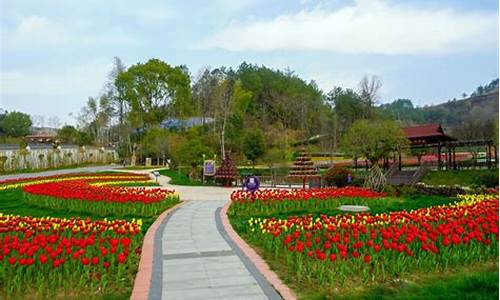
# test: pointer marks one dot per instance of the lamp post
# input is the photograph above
(203, 170)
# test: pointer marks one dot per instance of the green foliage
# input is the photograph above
(337, 176)
(254, 145)
(155, 90)
(373, 139)
(68, 134)
(155, 142)
(191, 153)
(487, 179)
(462, 177)
(180, 177)
(15, 124)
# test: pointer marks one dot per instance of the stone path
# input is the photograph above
(194, 258)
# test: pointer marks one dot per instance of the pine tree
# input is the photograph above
(303, 168)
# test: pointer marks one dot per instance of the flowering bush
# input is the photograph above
(377, 247)
(53, 252)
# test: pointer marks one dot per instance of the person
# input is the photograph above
(349, 178)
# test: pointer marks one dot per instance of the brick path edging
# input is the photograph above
(259, 263)
(143, 278)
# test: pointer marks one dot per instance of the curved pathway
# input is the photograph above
(195, 259)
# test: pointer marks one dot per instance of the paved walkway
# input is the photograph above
(195, 259)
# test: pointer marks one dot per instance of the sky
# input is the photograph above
(57, 53)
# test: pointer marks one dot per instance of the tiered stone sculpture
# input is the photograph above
(303, 168)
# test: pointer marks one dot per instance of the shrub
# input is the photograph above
(489, 179)
(337, 176)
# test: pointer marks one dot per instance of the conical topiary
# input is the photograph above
(303, 168)
(227, 171)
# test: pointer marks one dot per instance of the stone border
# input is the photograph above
(259, 263)
(144, 276)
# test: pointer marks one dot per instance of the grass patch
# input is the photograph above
(488, 178)
(132, 168)
(180, 178)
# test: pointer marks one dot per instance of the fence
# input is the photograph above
(44, 157)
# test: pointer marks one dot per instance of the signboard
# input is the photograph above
(252, 183)
(209, 168)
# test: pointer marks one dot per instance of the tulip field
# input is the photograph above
(77, 235)
(320, 251)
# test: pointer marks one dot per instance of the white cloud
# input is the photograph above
(84, 80)
(367, 26)
(39, 31)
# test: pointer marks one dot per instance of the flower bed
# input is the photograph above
(330, 249)
(20, 182)
(269, 201)
(43, 254)
(75, 193)
(272, 195)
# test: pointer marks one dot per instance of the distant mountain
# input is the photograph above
(475, 117)
(453, 113)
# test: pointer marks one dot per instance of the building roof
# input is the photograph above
(427, 133)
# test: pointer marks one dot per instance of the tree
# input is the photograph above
(154, 91)
(155, 143)
(68, 134)
(15, 124)
(254, 145)
(368, 90)
(348, 107)
(374, 139)
(191, 153)
(95, 117)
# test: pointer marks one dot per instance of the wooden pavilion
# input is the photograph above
(433, 136)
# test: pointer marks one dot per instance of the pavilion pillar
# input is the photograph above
(488, 155)
(399, 160)
(439, 156)
(496, 155)
(449, 158)
(454, 158)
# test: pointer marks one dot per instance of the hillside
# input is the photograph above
(454, 113)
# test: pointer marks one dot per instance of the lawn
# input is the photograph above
(488, 178)
(180, 178)
(75, 278)
(277, 229)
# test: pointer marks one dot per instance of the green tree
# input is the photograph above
(155, 143)
(68, 134)
(374, 139)
(191, 153)
(254, 145)
(16, 124)
(154, 91)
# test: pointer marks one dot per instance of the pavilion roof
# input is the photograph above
(427, 133)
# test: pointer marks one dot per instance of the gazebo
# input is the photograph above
(433, 136)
